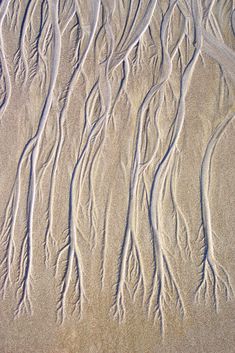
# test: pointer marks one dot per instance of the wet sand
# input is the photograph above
(117, 173)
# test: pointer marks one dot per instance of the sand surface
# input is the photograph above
(117, 169)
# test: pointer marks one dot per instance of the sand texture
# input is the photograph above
(117, 176)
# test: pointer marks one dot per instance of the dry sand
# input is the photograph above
(117, 159)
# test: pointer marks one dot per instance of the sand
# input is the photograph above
(117, 167)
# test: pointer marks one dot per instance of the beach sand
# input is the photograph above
(117, 166)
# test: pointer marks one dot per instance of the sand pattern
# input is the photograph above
(116, 121)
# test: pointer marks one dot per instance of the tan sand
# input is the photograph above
(117, 159)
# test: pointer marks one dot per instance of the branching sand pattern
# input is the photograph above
(213, 276)
(130, 66)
